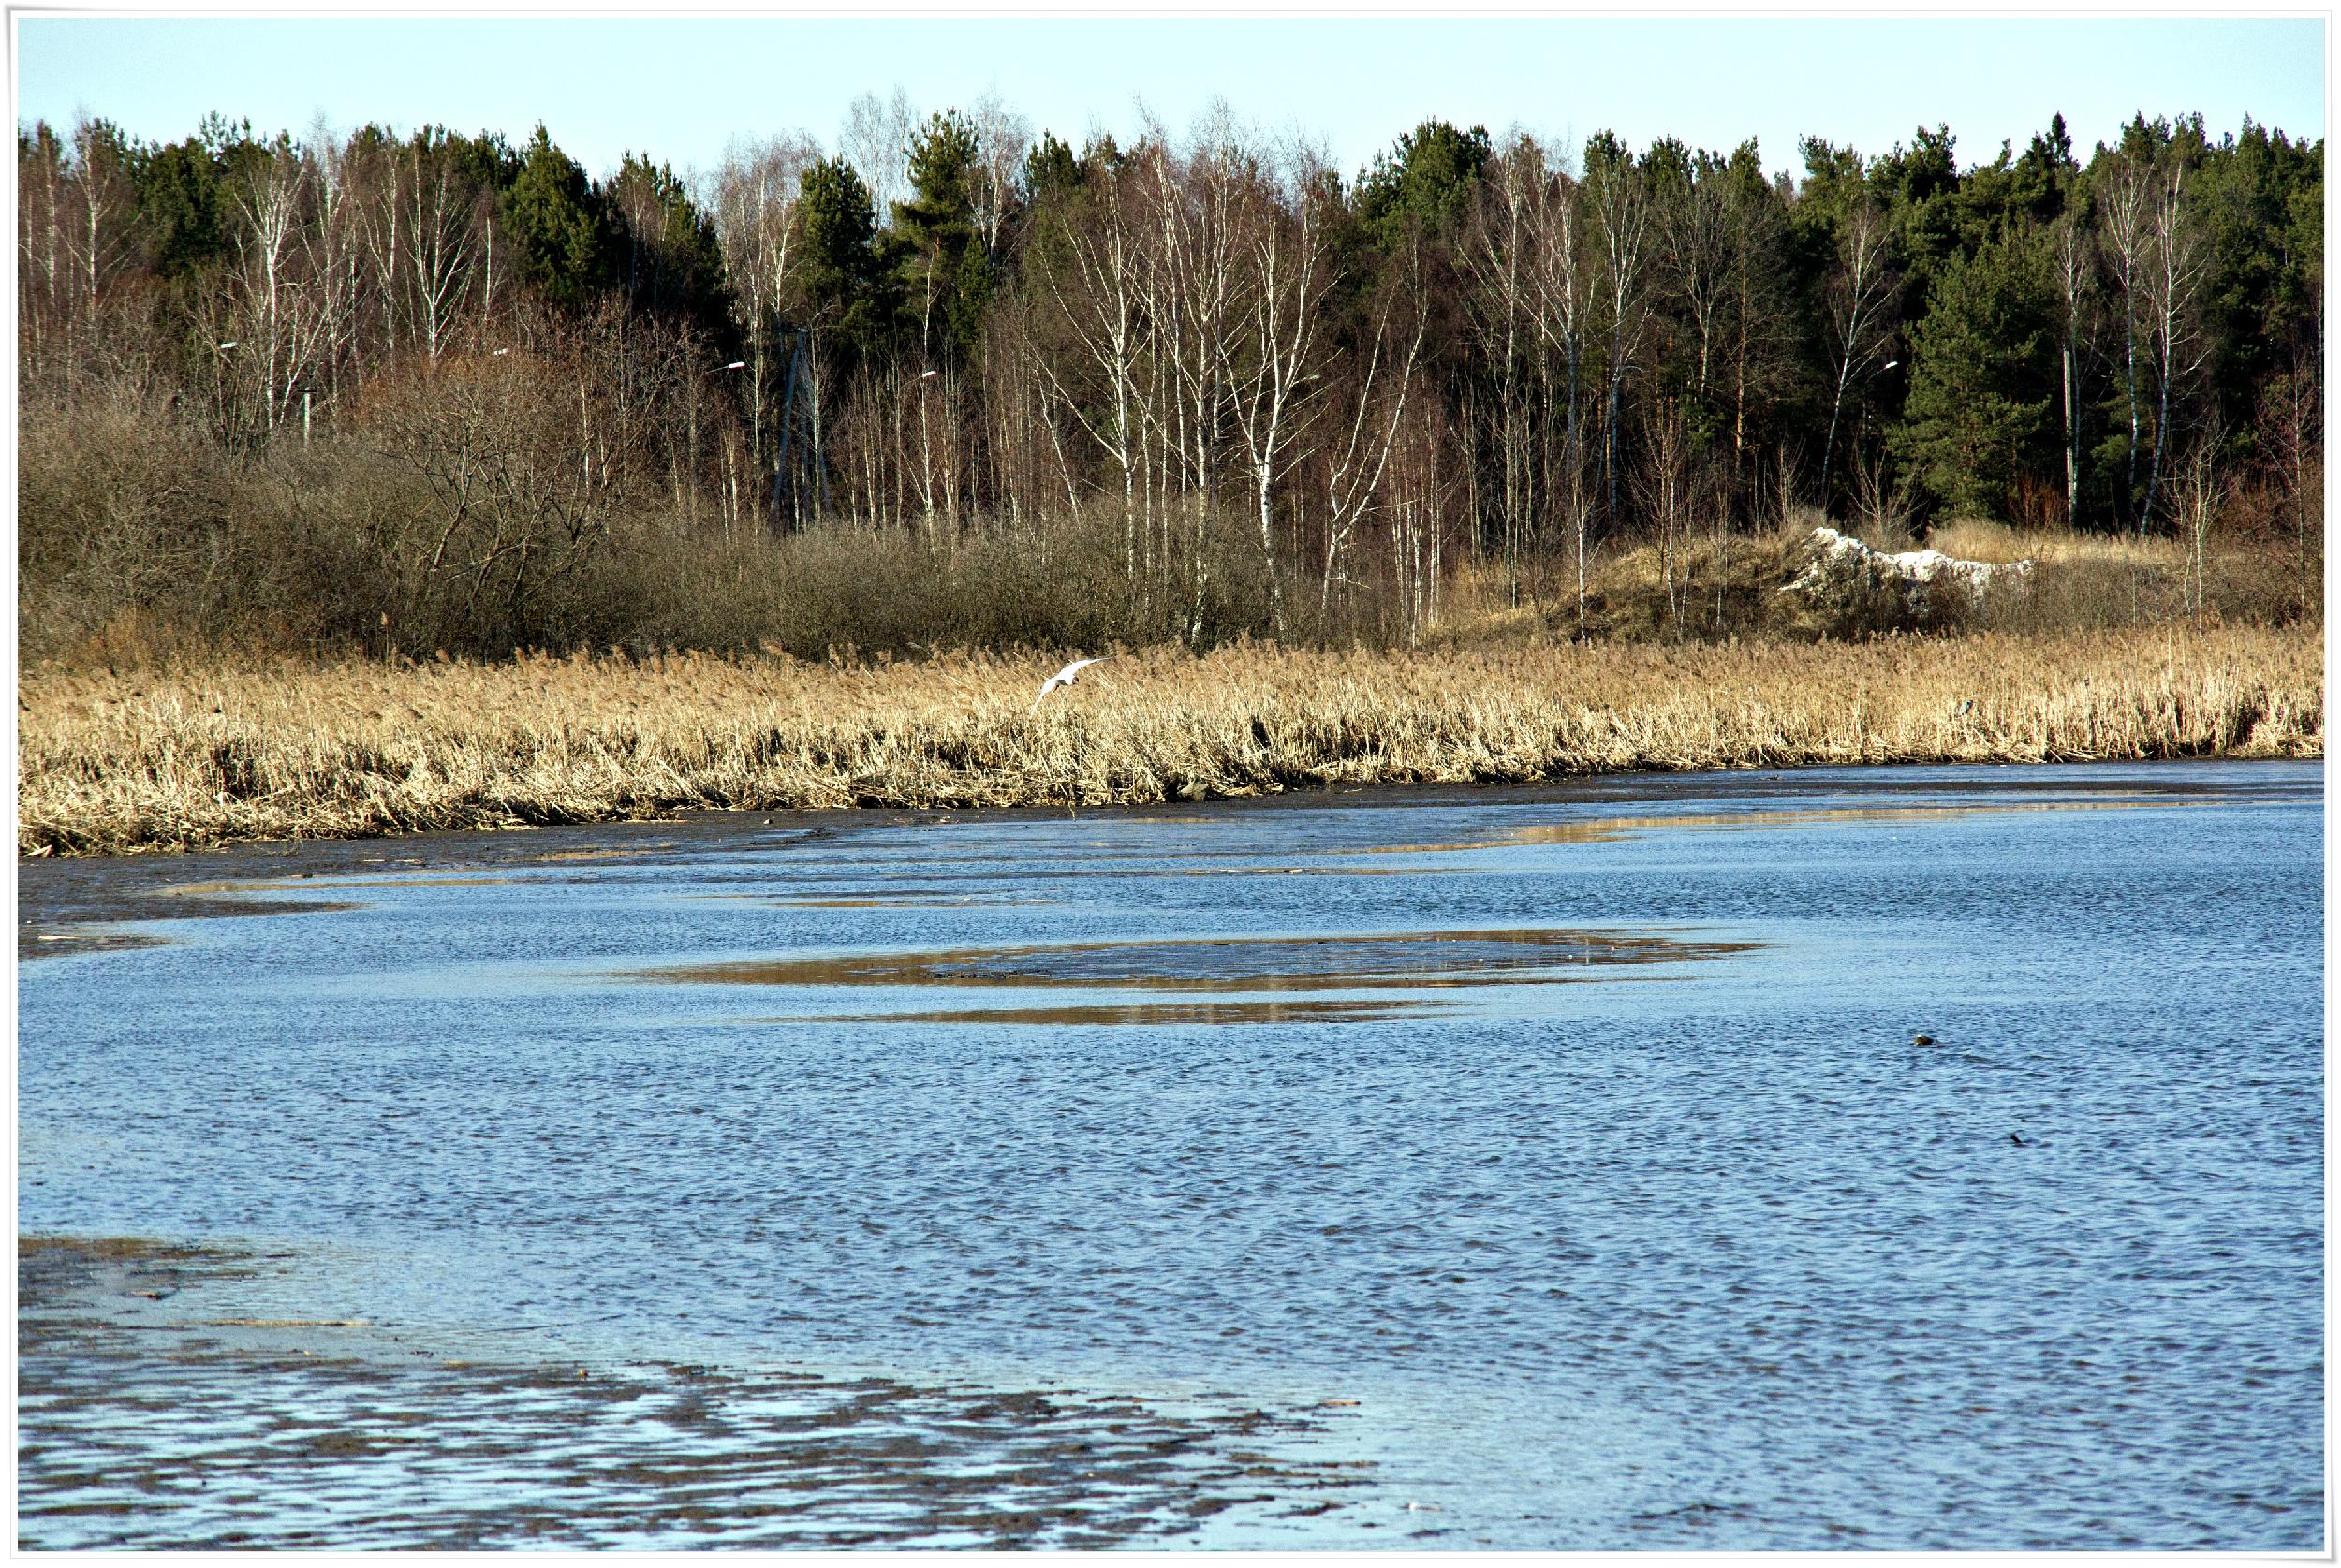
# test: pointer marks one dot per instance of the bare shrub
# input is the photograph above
(1882, 513)
(122, 515)
(511, 513)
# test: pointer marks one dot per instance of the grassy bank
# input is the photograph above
(114, 762)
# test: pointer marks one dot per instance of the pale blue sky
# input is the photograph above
(684, 88)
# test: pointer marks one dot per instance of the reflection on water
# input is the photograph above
(1415, 962)
(1606, 829)
(1119, 1015)
(896, 1182)
(58, 940)
(630, 852)
(256, 888)
(902, 898)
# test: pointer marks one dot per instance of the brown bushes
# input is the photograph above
(460, 512)
(469, 505)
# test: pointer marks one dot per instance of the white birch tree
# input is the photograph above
(876, 141)
(1378, 411)
(2176, 263)
(1858, 298)
(1620, 207)
(754, 204)
(1276, 380)
(2122, 207)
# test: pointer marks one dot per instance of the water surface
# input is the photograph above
(1532, 1168)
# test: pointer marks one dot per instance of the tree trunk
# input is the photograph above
(2072, 445)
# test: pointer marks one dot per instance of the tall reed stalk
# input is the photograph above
(142, 760)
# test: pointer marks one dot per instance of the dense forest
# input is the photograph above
(955, 381)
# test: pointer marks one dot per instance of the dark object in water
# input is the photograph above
(1921, 1039)
(2017, 1141)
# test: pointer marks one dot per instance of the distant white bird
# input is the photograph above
(1065, 677)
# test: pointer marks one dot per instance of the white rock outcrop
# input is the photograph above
(1927, 578)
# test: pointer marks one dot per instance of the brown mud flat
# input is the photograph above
(1409, 960)
(1214, 1014)
(124, 761)
(1288, 968)
(146, 1422)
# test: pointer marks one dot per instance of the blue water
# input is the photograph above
(1576, 1136)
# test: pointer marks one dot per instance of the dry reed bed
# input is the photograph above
(120, 762)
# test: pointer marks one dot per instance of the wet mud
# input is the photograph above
(1610, 829)
(1113, 1015)
(1406, 961)
(143, 1422)
(65, 906)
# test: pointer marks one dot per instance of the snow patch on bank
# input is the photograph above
(1841, 564)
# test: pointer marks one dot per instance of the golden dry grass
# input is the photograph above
(140, 760)
(1977, 539)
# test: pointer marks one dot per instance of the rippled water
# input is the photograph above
(1552, 1168)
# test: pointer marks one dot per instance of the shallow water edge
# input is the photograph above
(335, 1433)
(96, 902)
(1922, 1158)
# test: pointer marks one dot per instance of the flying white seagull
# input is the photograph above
(1065, 677)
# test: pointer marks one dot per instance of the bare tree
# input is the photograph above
(1785, 506)
(2073, 281)
(41, 201)
(2202, 488)
(510, 515)
(1759, 320)
(76, 215)
(1100, 303)
(1561, 281)
(2176, 262)
(1499, 256)
(437, 202)
(325, 314)
(1858, 296)
(1692, 213)
(1423, 482)
(1620, 206)
(1666, 481)
(104, 204)
(1002, 137)
(1879, 507)
(2289, 425)
(1015, 404)
(876, 141)
(372, 176)
(266, 199)
(754, 202)
(1193, 297)
(1692, 217)
(1378, 397)
(1274, 380)
(2121, 239)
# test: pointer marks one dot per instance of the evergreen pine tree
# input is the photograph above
(554, 214)
(840, 271)
(940, 270)
(1983, 364)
